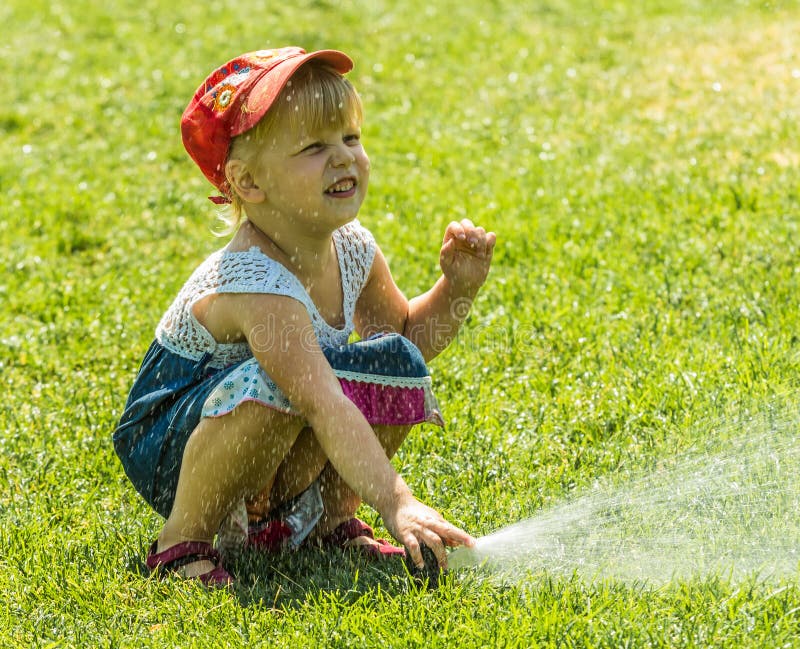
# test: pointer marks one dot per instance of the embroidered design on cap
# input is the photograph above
(223, 96)
(223, 93)
(263, 55)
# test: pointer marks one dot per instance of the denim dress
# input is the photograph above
(186, 376)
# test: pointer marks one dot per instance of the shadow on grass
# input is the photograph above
(290, 579)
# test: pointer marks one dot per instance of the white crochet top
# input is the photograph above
(251, 271)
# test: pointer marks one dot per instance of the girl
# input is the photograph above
(251, 392)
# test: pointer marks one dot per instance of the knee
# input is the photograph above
(260, 421)
(391, 437)
(250, 423)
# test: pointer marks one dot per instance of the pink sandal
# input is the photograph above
(182, 554)
(268, 535)
(354, 529)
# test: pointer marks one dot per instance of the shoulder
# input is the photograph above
(225, 262)
(356, 233)
(252, 256)
(357, 244)
(250, 266)
(269, 308)
(245, 271)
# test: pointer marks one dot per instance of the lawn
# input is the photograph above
(639, 162)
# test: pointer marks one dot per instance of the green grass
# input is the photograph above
(639, 162)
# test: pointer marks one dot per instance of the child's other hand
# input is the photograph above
(413, 523)
(466, 255)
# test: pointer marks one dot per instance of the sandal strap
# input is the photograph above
(269, 534)
(177, 556)
(216, 577)
(354, 528)
(347, 531)
(181, 554)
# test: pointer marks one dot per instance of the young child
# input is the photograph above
(251, 391)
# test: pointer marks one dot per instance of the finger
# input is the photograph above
(473, 245)
(449, 534)
(469, 232)
(477, 239)
(454, 536)
(413, 549)
(447, 251)
(434, 542)
(484, 245)
(479, 232)
(454, 230)
(491, 239)
(473, 236)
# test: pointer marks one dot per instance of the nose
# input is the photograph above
(342, 156)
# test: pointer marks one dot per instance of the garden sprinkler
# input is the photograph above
(428, 575)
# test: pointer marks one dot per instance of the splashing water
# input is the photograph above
(732, 512)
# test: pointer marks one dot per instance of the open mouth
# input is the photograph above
(342, 187)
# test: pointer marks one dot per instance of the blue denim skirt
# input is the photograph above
(385, 376)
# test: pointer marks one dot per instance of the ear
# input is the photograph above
(241, 180)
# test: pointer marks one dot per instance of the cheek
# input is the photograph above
(301, 180)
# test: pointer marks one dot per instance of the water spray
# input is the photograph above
(732, 511)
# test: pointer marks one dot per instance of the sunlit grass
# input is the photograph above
(639, 162)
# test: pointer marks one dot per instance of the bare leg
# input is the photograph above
(339, 500)
(301, 466)
(225, 459)
(306, 461)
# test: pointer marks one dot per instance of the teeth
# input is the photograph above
(342, 186)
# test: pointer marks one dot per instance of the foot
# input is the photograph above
(268, 535)
(191, 560)
(355, 533)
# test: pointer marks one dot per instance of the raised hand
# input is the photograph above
(466, 255)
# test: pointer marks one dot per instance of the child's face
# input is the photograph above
(319, 178)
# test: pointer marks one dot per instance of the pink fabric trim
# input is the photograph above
(384, 404)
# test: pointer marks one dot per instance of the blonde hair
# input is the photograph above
(315, 98)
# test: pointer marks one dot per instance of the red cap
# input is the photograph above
(235, 97)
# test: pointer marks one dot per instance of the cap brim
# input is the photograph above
(269, 86)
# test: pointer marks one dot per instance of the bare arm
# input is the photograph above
(431, 320)
(281, 337)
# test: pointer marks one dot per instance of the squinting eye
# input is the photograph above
(355, 138)
(312, 147)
